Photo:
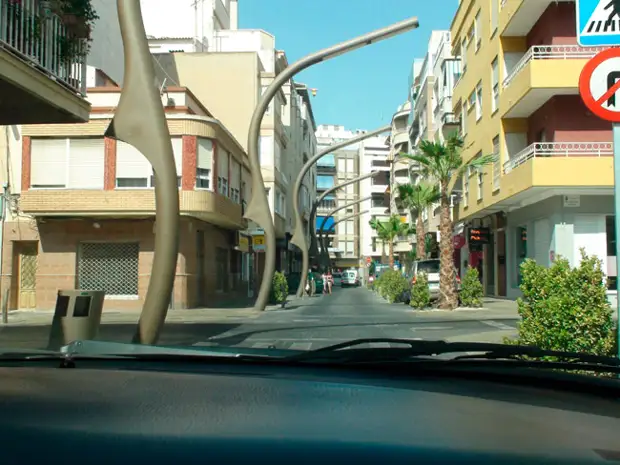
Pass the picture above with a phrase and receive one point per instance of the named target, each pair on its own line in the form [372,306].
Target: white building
[336,168]
[187,25]
[374,156]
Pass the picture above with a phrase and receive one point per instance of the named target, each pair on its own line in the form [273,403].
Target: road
[306,324]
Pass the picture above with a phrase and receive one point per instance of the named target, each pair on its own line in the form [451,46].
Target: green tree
[388,230]
[444,163]
[416,198]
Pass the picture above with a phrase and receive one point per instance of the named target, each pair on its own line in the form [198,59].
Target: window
[471,34]
[471,101]
[222,171]
[466,187]
[477,31]
[350,189]
[479,101]
[342,166]
[270,107]
[133,170]
[464,53]
[495,85]
[277,156]
[266,148]
[109,266]
[324,182]
[494,15]
[350,228]
[496,164]
[204,163]
[480,177]
[464,118]
[235,181]
[279,203]
[349,248]
[351,166]
[67,163]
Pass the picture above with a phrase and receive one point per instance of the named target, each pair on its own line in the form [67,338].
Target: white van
[350,277]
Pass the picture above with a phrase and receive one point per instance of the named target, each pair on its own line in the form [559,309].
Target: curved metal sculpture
[299,235]
[313,239]
[140,121]
[323,249]
[324,260]
[258,207]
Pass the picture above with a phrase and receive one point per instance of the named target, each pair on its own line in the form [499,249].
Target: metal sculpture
[299,235]
[258,207]
[140,121]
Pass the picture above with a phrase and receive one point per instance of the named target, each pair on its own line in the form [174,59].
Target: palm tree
[416,198]
[443,163]
[388,230]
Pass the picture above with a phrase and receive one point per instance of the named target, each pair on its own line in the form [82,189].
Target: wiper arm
[347,352]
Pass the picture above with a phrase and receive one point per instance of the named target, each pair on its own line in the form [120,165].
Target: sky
[363,88]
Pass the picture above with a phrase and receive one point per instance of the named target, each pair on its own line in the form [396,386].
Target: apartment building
[398,142]
[83,209]
[432,113]
[44,55]
[374,155]
[336,168]
[188,25]
[551,191]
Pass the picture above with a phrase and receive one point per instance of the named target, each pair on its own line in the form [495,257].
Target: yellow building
[550,192]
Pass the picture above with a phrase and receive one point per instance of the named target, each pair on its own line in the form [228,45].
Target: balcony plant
[78,18]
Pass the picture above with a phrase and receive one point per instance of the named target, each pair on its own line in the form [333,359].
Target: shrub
[279,288]
[420,293]
[393,285]
[471,289]
[566,309]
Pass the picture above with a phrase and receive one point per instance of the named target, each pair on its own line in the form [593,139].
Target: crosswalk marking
[603,21]
[497,324]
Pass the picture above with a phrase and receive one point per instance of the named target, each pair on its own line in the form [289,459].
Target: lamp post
[340,220]
[313,249]
[140,121]
[323,250]
[258,207]
[299,235]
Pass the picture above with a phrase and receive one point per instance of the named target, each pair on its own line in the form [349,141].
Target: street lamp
[313,250]
[140,121]
[325,259]
[258,207]
[331,214]
[299,235]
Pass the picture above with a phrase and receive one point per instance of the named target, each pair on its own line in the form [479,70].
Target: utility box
[77,317]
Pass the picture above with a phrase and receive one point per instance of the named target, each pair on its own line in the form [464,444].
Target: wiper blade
[347,352]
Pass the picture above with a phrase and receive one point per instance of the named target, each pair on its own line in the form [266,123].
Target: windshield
[491,238]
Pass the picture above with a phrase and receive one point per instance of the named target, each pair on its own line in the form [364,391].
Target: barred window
[109,266]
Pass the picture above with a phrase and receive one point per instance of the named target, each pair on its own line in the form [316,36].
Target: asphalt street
[305,324]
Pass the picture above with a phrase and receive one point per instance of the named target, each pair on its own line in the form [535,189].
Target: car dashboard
[219,413]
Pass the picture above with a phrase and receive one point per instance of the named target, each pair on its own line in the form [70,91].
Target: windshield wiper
[347,352]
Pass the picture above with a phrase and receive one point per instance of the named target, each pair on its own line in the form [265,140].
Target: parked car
[350,278]
[431,268]
[337,278]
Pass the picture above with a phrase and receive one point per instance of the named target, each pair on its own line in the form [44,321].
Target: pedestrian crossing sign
[598,23]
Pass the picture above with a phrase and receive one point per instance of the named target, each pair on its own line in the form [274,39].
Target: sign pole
[616,142]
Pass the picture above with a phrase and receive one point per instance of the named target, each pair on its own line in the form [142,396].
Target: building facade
[550,193]
[82,211]
[336,168]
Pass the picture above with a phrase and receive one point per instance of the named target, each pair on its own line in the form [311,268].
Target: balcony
[542,72]
[40,80]
[203,205]
[517,17]
[378,188]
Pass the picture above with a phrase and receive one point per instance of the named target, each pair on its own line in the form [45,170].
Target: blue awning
[329,224]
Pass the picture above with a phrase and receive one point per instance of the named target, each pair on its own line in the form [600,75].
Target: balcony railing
[559,149]
[43,41]
[551,52]
[450,118]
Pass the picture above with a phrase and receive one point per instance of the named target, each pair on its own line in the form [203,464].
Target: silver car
[431,269]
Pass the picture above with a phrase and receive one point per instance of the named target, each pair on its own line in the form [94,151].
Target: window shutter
[86,163]
[130,163]
[48,163]
[235,174]
[222,163]
[177,150]
[204,157]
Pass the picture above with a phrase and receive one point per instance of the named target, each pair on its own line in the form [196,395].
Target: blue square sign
[598,22]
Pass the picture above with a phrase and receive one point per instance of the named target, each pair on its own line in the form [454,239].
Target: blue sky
[362,89]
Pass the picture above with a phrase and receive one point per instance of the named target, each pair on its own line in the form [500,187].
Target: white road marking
[497,324]
[301,346]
